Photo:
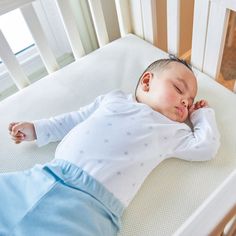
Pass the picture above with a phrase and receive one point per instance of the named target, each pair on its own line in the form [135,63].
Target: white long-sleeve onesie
[119,141]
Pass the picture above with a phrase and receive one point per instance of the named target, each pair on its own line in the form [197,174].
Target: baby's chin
[177,118]
[173,116]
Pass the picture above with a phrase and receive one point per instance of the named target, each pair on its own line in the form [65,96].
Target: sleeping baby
[107,150]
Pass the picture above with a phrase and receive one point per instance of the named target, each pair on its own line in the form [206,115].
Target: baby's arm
[54,128]
[203,142]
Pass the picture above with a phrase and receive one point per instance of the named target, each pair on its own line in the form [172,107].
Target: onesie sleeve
[201,143]
[55,128]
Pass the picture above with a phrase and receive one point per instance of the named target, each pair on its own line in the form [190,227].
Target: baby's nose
[185,102]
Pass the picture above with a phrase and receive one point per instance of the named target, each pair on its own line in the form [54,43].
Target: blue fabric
[57,198]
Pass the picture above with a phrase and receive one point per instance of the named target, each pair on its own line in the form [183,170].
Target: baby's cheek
[186,115]
[171,98]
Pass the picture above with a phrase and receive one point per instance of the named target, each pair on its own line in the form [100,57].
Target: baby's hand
[197,105]
[22,131]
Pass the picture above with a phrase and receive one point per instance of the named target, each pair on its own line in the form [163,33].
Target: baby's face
[171,92]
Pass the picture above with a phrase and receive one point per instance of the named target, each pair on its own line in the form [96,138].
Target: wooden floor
[226,83]
[229,57]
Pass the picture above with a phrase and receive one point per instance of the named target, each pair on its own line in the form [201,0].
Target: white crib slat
[123,13]
[173,26]
[40,39]
[201,11]
[12,64]
[71,28]
[136,17]
[149,17]
[99,22]
[10,5]
[230,4]
[217,26]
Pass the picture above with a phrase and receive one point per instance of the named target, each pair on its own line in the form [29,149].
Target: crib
[178,198]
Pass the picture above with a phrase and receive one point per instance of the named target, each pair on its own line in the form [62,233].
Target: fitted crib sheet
[175,189]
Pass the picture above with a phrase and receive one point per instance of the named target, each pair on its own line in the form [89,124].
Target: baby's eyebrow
[185,85]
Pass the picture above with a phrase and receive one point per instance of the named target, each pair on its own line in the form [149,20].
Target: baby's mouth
[180,111]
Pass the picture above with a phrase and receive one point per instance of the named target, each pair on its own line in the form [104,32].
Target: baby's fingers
[200,104]
[204,103]
[17,129]
[18,138]
[17,142]
[197,105]
[11,125]
[191,109]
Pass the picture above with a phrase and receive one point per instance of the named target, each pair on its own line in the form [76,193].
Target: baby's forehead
[183,74]
[181,70]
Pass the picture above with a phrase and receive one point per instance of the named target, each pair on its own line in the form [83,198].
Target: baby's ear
[145,80]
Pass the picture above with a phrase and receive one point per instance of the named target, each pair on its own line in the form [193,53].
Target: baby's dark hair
[161,64]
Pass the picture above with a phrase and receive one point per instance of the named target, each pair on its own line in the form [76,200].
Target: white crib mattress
[176,188]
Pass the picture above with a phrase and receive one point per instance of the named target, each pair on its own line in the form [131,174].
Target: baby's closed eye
[178,89]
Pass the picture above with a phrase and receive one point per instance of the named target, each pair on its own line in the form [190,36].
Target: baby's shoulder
[116,93]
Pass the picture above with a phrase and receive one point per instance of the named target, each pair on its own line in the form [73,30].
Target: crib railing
[138,17]
[46,54]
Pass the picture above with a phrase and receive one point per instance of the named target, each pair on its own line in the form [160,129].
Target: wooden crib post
[220,228]
[232,26]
